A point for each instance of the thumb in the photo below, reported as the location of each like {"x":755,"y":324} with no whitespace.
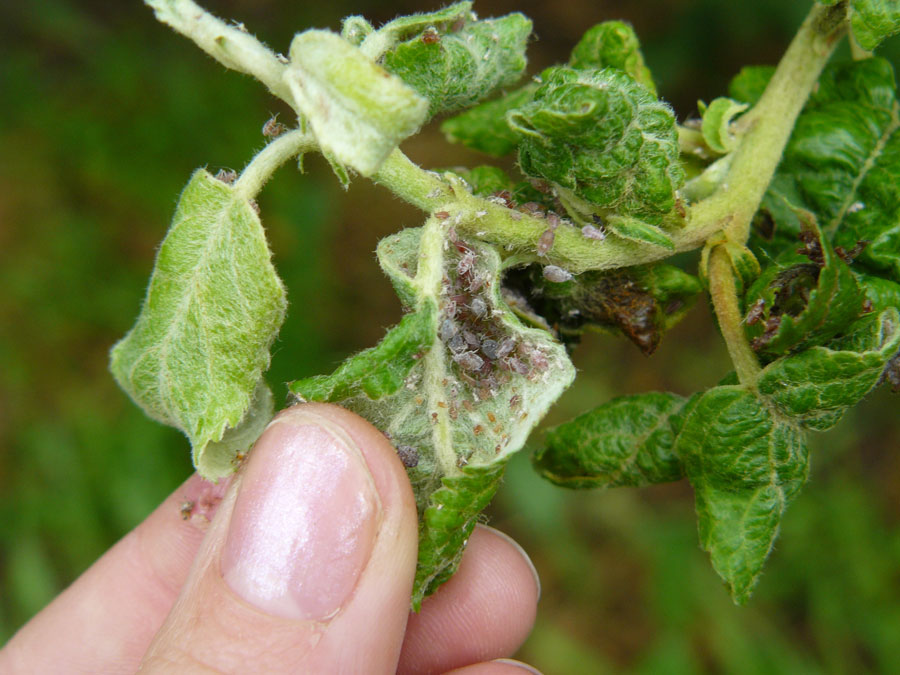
{"x":308,"y":564}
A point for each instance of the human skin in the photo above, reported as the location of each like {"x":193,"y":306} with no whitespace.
{"x":257,"y":575}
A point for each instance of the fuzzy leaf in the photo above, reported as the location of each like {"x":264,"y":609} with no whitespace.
{"x":716,"y":125}
{"x":467,"y":402}
{"x":874,"y":20}
{"x":603,"y":136}
{"x":484,"y":127}
{"x":196,"y":355}
{"x":357,"y":110}
{"x":842,"y":161}
{"x":749,"y":84}
{"x":612,"y":44}
{"x":804,"y":301}
{"x":625,"y":442}
{"x":486,"y":180}
{"x":882,"y":293}
{"x":404,"y":27}
{"x":816,"y":386}
{"x":639,"y":232}
{"x":745,"y":465}
{"x":456,"y":67}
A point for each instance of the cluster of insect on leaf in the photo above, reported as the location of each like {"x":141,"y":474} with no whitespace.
{"x":787,"y":188}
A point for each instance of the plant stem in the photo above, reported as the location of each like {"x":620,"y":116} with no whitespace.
{"x":723,"y":292}
{"x":412,"y":183}
{"x":267,"y":160}
{"x":230,"y":45}
{"x":767,"y":127}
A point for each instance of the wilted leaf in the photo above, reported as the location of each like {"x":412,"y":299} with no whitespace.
{"x":745,"y":465}
{"x":196,"y":355}
{"x":627,"y":441}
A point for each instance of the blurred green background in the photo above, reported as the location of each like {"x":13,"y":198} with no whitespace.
{"x":103,"y":116}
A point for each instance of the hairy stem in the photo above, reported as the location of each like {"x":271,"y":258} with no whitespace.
{"x":267,"y":160}
{"x":769,"y":124}
{"x":230,"y":45}
{"x":723,"y":291}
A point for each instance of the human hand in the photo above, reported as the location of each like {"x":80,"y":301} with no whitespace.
{"x":303,"y":563}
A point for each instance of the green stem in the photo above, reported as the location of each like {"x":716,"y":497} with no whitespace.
{"x":412,"y":183}
{"x":267,"y":160}
{"x":723,"y":291}
{"x":766,"y":128}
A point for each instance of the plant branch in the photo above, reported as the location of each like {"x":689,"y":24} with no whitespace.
{"x":766,"y":128}
{"x":230,"y":45}
{"x":267,"y":160}
{"x":723,"y":291}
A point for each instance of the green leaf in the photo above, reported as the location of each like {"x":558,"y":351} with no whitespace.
{"x":625,"y":442}
{"x":882,"y":293}
{"x":404,"y":27}
{"x":603,"y":136}
{"x":874,"y":20}
{"x":745,"y":465}
{"x":196,"y":355}
{"x":612,"y":44}
{"x":749,"y":84}
{"x":463,"y":404}
{"x":486,"y":180}
{"x":456,"y":67}
{"x":357,"y":110}
{"x":716,"y":125}
{"x":842,"y":161}
{"x":639,"y":232}
{"x":484,"y":127}
{"x":816,"y":386}
{"x":379,"y":371}
{"x":801,"y":302}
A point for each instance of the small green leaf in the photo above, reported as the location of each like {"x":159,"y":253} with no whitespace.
{"x":874,"y":20}
{"x":842,"y":161}
{"x":612,"y":44}
{"x":816,"y":386}
{"x":745,"y":465}
{"x":882,"y":293}
{"x":357,"y":110}
{"x":457,"y":67}
{"x":486,"y":180}
{"x":802,"y":302}
{"x":639,"y":232}
{"x":625,"y":442}
{"x":196,"y":355}
{"x":404,"y":27}
{"x":447,"y":523}
{"x":463,"y":404}
{"x":749,"y":84}
{"x":484,"y":127}
{"x":716,"y":125}
{"x":603,"y":136}
{"x":379,"y":371}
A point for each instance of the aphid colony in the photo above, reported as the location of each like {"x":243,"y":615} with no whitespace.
{"x":485,"y":353}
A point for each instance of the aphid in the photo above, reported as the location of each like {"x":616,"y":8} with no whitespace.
{"x":515,"y":401}
{"x":447,"y":330}
{"x":453,"y":412}
{"x":515,"y":215}
{"x":187,"y":509}
{"x":490,"y":348}
{"x":479,"y":307}
{"x":591,"y":232}
{"x":471,"y":339}
{"x":545,"y":242}
{"x":468,"y":405}
{"x":539,"y":360}
{"x":556,"y":274}
{"x":254,"y":205}
{"x":506,"y":348}
{"x":273,"y":128}
{"x":442,"y":404}
{"x":517,"y":366}
{"x":434,"y":418}
{"x":867,"y":306}
{"x":756,"y":312}
{"x":466,"y":263}
{"x":855,"y":207}
{"x":227,"y":176}
{"x":408,"y":455}
{"x":442,"y":215}
{"x":477,"y":429}
{"x":492,"y":417}
{"x":469,"y":361}
{"x":430,"y":36}
{"x":552,"y":220}
{"x":457,"y":344}
{"x":849,"y":256}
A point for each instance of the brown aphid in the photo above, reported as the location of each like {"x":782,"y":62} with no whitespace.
{"x":442,"y":404}
{"x":492,"y":417}
{"x":442,"y":215}
{"x":186,"y":510}
{"x":545,"y":242}
{"x":273,"y":128}
{"x":497,"y":449}
{"x":430,"y":36}
{"x":498,"y":428}
{"x":477,"y":429}
{"x":453,"y":412}
{"x":755,"y":314}
{"x":227,"y":176}
{"x":515,"y":401}
{"x":434,"y":418}
{"x":408,"y":455}
{"x":867,"y":306}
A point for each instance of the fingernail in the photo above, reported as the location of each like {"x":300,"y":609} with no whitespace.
{"x":304,"y":522}
{"x":519,"y":664}
{"x":515,"y":545}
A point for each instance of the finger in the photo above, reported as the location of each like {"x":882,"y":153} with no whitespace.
{"x":498,"y":667}
{"x":308,"y":565}
{"x":106,"y":619}
{"x":484,"y":612}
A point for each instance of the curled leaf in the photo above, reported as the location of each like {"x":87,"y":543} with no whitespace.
{"x":195,"y":357}
{"x":613,"y":44}
{"x":716,"y":125}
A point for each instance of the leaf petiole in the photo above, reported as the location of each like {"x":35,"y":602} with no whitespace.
{"x":267,"y":160}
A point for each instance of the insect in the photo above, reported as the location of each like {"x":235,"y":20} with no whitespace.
{"x":408,"y":455}
{"x":545,"y":242}
{"x":430,"y":36}
{"x":556,"y":274}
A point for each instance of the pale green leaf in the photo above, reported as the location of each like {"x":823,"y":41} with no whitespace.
{"x":357,"y":110}
{"x":716,"y":125}
{"x":639,"y":232}
{"x":201,"y":343}
{"x":874,"y":20}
